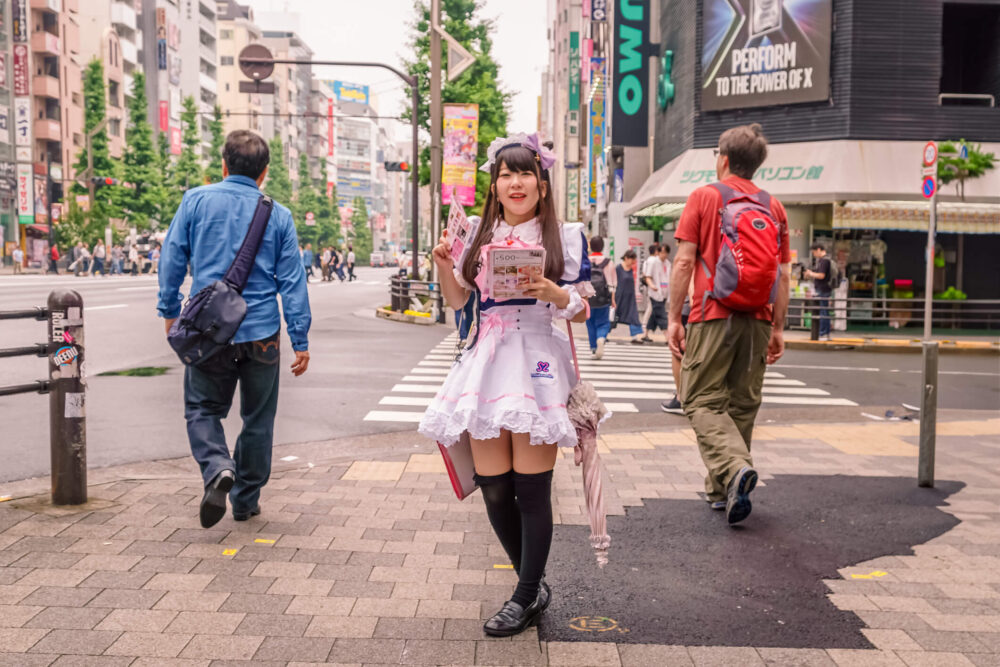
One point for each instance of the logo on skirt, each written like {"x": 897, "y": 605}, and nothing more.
{"x": 542, "y": 370}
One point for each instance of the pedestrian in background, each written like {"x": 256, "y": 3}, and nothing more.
{"x": 307, "y": 260}
{"x": 350, "y": 264}
{"x": 325, "y": 263}
{"x": 154, "y": 259}
{"x": 133, "y": 259}
{"x": 18, "y": 258}
{"x": 509, "y": 391}
{"x": 626, "y": 308}
{"x": 603, "y": 279}
{"x": 100, "y": 254}
{"x": 725, "y": 348}
{"x": 656, "y": 282}
{"x": 54, "y": 259}
{"x": 338, "y": 264}
{"x": 206, "y": 233}
{"x": 822, "y": 269}
{"x": 644, "y": 286}
{"x": 116, "y": 260}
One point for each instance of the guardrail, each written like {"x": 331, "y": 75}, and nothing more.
{"x": 66, "y": 386}
{"x": 803, "y": 312}
{"x": 405, "y": 294}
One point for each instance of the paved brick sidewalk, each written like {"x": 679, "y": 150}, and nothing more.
{"x": 375, "y": 562}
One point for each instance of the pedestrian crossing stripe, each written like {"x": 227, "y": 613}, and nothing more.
{"x": 630, "y": 379}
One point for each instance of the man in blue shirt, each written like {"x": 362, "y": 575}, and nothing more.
{"x": 206, "y": 233}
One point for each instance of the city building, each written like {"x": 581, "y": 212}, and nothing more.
{"x": 160, "y": 56}
{"x": 197, "y": 27}
{"x": 236, "y": 30}
{"x": 9, "y": 230}
{"x": 100, "y": 22}
{"x": 286, "y": 111}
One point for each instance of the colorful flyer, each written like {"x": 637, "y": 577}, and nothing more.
{"x": 512, "y": 270}
{"x": 461, "y": 231}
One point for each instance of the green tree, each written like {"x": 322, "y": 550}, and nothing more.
{"x": 142, "y": 201}
{"x": 279, "y": 184}
{"x": 104, "y": 206}
{"x": 307, "y": 200}
{"x": 328, "y": 229}
{"x": 213, "y": 172}
{"x": 477, "y": 85}
{"x": 361, "y": 233}
{"x": 953, "y": 168}
{"x": 170, "y": 196}
{"x": 187, "y": 173}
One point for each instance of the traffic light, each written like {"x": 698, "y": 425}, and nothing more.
{"x": 102, "y": 181}
{"x": 397, "y": 166}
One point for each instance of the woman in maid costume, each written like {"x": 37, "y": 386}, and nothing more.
{"x": 510, "y": 386}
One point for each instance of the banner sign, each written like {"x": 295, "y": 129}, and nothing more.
{"x": 3, "y": 69}
{"x": 765, "y": 52}
{"x": 22, "y": 121}
{"x": 41, "y": 197}
{"x": 572, "y": 195}
{"x": 19, "y": 21}
{"x": 350, "y": 92}
{"x": 461, "y": 143}
{"x": 629, "y": 94}
{"x": 598, "y": 10}
{"x": 175, "y": 140}
{"x": 4, "y": 124}
{"x": 21, "y": 70}
{"x": 574, "y": 70}
{"x": 164, "y": 115}
{"x": 596, "y": 125}
{"x": 25, "y": 195}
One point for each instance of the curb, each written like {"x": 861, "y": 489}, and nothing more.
{"x": 895, "y": 345}
{"x": 396, "y": 316}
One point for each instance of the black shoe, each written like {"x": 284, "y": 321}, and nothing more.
{"x": 243, "y": 516}
{"x": 514, "y": 619}
{"x": 673, "y": 406}
{"x": 738, "y": 505}
{"x": 213, "y": 503}
{"x": 544, "y": 596}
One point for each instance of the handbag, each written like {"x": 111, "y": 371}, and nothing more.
{"x": 211, "y": 318}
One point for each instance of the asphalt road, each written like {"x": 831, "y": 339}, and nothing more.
{"x": 357, "y": 361}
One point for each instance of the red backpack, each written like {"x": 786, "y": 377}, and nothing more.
{"x": 746, "y": 273}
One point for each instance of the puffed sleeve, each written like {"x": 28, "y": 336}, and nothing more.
{"x": 575, "y": 259}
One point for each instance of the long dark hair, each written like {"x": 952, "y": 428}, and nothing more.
{"x": 519, "y": 160}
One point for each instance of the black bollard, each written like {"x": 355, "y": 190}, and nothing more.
{"x": 67, "y": 412}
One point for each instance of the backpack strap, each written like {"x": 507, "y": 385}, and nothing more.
{"x": 239, "y": 271}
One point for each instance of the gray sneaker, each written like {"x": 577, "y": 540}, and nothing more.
{"x": 738, "y": 504}
{"x": 717, "y": 505}
{"x": 673, "y": 406}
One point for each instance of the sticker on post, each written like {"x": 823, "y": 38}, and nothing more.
{"x": 65, "y": 355}
{"x": 75, "y": 406}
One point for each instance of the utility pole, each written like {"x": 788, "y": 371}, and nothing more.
{"x": 436, "y": 121}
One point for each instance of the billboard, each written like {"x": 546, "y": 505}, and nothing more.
{"x": 630, "y": 88}
{"x": 765, "y": 52}
{"x": 350, "y": 92}
{"x": 461, "y": 142}
{"x": 19, "y": 20}
{"x": 25, "y": 194}
{"x": 595, "y": 127}
{"x": 21, "y": 84}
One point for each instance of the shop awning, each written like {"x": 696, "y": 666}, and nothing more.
{"x": 818, "y": 172}
{"x": 42, "y": 230}
{"x": 952, "y": 218}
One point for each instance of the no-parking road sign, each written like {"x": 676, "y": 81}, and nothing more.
{"x": 929, "y": 187}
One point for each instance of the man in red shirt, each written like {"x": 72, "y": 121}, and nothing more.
{"x": 723, "y": 352}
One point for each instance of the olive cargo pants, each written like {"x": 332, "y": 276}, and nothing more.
{"x": 721, "y": 377}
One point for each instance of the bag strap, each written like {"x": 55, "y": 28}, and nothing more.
{"x": 572, "y": 346}
{"x": 239, "y": 271}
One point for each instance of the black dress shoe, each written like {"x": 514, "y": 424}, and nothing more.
{"x": 243, "y": 516}
{"x": 213, "y": 503}
{"x": 514, "y": 619}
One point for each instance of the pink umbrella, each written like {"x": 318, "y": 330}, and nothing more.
{"x": 586, "y": 411}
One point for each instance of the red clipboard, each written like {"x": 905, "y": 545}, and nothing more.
{"x": 458, "y": 462}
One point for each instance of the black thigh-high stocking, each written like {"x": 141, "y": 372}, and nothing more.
{"x": 502, "y": 509}
{"x": 534, "y": 498}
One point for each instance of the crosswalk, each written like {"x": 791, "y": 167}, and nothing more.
{"x": 629, "y": 378}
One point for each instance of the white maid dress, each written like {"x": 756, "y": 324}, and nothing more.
{"x": 519, "y": 373}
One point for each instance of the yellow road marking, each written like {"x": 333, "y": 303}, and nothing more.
{"x": 262, "y": 541}
{"x": 872, "y": 575}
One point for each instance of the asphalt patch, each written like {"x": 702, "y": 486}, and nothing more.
{"x": 678, "y": 574}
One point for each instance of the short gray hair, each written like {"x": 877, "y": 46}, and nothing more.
{"x": 746, "y": 148}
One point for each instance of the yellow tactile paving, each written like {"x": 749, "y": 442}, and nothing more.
{"x": 425, "y": 463}
{"x": 375, "y": 471}
{"x": 986, "y": 427}
{"x": 683, "y": 438}
{"x": 626, "y": 441}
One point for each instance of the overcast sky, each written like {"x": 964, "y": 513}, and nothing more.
{"x": 378, "y": 30}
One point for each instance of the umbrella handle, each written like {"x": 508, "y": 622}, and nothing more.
{"x": 572, "y": 346}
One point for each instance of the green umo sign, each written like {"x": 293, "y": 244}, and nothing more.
{"x": 629, "y": 96}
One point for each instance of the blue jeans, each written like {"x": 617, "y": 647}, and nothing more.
{"x": 634, "y": 329}
{"x": 598, "y": 325}
{"x": 824, "y": 315}
{"x": 208, "y": 396}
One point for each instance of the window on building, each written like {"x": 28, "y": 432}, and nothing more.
{"x": 113, "y": 94}
{"x": 225, "y": 61}
{"x": 970, "y": 52}
{"x": 225, "y": 34}
{"x": 227, "y": 87}
{"x": 115, "y": 127}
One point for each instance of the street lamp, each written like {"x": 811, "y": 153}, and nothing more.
{"x": 257, "y": 63}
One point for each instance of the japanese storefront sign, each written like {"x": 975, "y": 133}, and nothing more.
{"x": 764, "y": 174}
{"x": 25, "y": 195}
{"x": 3, "y": 70}
{"x": 574, "y": 70}
{"x": 22, "y": 121}
{"x": 598, "y": 10}
{"x": 164, "y": 115}
{"x": 175, "y": 140}
{"x": 630, "y": 89}
{"x": 461, "y": 142}
{"x": 595, "y": 125}
{"x": 4, "y": 124}
{"x": 21, "y": 83}
{"x": 765, "y": 52}
{"x": 19, "y": 20}
{"x": 572, "y": 195}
